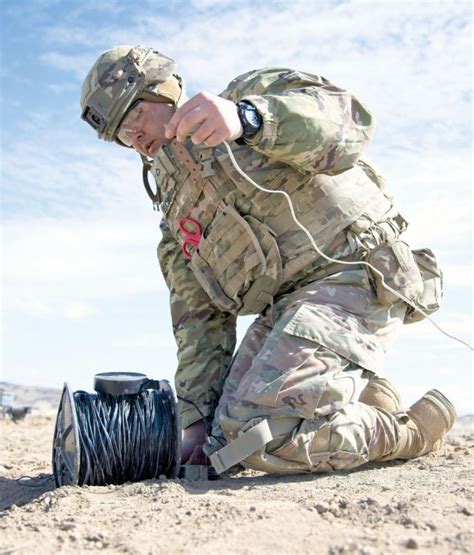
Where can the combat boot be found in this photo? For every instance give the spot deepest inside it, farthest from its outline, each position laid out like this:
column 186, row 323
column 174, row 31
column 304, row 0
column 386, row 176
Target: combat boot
column 423, row 427
column 380, row 393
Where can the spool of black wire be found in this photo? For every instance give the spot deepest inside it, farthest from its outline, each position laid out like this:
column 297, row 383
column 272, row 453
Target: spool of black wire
column 129, row 430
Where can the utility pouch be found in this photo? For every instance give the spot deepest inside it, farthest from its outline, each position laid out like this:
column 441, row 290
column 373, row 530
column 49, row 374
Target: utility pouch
column 430, row 299
column 396, row 262
column 238, row 263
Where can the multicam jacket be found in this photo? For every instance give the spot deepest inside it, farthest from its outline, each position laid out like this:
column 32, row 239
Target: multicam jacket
column 249, row 250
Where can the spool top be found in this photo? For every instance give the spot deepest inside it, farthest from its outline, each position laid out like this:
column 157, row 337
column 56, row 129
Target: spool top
column 120, row 383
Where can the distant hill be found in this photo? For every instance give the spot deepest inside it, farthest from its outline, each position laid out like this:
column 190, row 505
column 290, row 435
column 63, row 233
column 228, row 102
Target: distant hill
column 36, row 397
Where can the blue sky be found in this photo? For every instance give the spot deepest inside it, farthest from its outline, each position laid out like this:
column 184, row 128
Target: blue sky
column 81, row 289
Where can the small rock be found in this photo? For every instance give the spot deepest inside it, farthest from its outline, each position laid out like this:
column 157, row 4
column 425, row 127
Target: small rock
column 351, row 548
column 67, row 526
column 411, row 544
column 407, row 521
column 252, row 509
column 94, row 538
column 321, row 508
column 466, row 511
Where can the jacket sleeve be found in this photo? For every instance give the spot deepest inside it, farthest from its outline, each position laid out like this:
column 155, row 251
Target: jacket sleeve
column 308, row 122
column 205, row 336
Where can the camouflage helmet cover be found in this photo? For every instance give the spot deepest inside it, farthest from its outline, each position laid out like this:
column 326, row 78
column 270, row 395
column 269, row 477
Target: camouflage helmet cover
column 121, row 76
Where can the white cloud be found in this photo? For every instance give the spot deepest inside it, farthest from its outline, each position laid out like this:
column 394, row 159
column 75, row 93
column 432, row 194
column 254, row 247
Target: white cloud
column 158, row 340
column 459, row 275
column 78, row 310
column 54, row 261
column 79, row 64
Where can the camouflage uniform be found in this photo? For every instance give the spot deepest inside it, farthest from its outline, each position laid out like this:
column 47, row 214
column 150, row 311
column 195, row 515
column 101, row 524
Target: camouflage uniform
column 321, row 331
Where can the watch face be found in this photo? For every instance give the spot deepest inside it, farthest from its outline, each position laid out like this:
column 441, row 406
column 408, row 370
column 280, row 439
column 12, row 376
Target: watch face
column 252, row 117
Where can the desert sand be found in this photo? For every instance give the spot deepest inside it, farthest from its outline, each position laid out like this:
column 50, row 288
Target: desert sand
column 423, row 505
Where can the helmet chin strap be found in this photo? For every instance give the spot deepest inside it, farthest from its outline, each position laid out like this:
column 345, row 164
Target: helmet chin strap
column 154, row 195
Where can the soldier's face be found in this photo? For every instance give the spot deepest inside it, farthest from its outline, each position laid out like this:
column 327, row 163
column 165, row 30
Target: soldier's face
column 143, row 127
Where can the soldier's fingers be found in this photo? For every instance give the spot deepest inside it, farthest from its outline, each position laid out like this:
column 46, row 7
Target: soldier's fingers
column 189, row 121
column 205, row 130
column 216, row 138
column 191, row 104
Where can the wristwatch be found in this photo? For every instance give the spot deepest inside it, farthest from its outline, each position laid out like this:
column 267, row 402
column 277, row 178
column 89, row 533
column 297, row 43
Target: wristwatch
column 250, row 119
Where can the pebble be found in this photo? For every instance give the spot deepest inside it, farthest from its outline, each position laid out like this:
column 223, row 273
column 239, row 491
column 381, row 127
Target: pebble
column 67, row 526
column 411, row 544
column 321, row 508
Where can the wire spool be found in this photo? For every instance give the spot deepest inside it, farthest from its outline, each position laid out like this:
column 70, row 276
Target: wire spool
column 129, row 430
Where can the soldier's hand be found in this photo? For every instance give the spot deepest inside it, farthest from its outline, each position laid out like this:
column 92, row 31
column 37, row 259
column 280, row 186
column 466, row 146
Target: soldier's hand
column 208, row 118
column 194, row 437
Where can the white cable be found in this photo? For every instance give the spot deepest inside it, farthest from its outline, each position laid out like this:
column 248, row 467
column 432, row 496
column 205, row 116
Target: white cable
column 316, row 248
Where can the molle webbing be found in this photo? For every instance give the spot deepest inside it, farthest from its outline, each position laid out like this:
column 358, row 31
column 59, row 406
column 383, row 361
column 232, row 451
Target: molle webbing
column 250, row 243
column 193, row 191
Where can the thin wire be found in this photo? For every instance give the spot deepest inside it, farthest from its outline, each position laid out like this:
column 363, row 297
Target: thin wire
column 316, row 248
column 41, row 481
column 208, row 425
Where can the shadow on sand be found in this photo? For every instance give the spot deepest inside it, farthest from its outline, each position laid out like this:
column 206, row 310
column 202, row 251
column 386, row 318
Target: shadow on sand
column 239, row 481
column 21, row 491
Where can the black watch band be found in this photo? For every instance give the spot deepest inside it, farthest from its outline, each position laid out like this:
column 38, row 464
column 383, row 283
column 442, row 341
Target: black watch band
column 250, row 119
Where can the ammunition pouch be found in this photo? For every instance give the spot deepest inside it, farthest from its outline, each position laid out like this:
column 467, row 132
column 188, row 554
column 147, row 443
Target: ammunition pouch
column 238, row 262
column 430, row 299
column 413, row 274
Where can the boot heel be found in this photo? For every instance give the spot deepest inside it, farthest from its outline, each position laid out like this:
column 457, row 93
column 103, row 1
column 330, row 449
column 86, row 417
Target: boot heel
column 434, row 415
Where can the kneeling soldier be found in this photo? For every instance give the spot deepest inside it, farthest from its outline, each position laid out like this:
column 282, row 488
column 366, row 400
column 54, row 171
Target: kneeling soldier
column 304, row 391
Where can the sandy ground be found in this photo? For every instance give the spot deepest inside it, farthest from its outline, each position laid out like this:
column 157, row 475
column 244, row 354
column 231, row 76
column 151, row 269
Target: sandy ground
column 424, row 505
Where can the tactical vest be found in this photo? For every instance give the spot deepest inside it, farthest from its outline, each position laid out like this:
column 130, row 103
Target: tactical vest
column 250, row 247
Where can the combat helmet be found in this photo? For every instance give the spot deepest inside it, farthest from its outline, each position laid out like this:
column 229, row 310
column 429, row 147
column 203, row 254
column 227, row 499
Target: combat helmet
column 119, row 78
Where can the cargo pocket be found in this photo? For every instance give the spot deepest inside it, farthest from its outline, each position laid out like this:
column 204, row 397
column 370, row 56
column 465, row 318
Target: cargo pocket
column 339, row 331
column 238, row 262
column 305, row 367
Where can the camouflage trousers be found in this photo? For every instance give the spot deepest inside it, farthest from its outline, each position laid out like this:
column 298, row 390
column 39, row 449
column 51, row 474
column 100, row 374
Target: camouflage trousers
column 309, row 358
